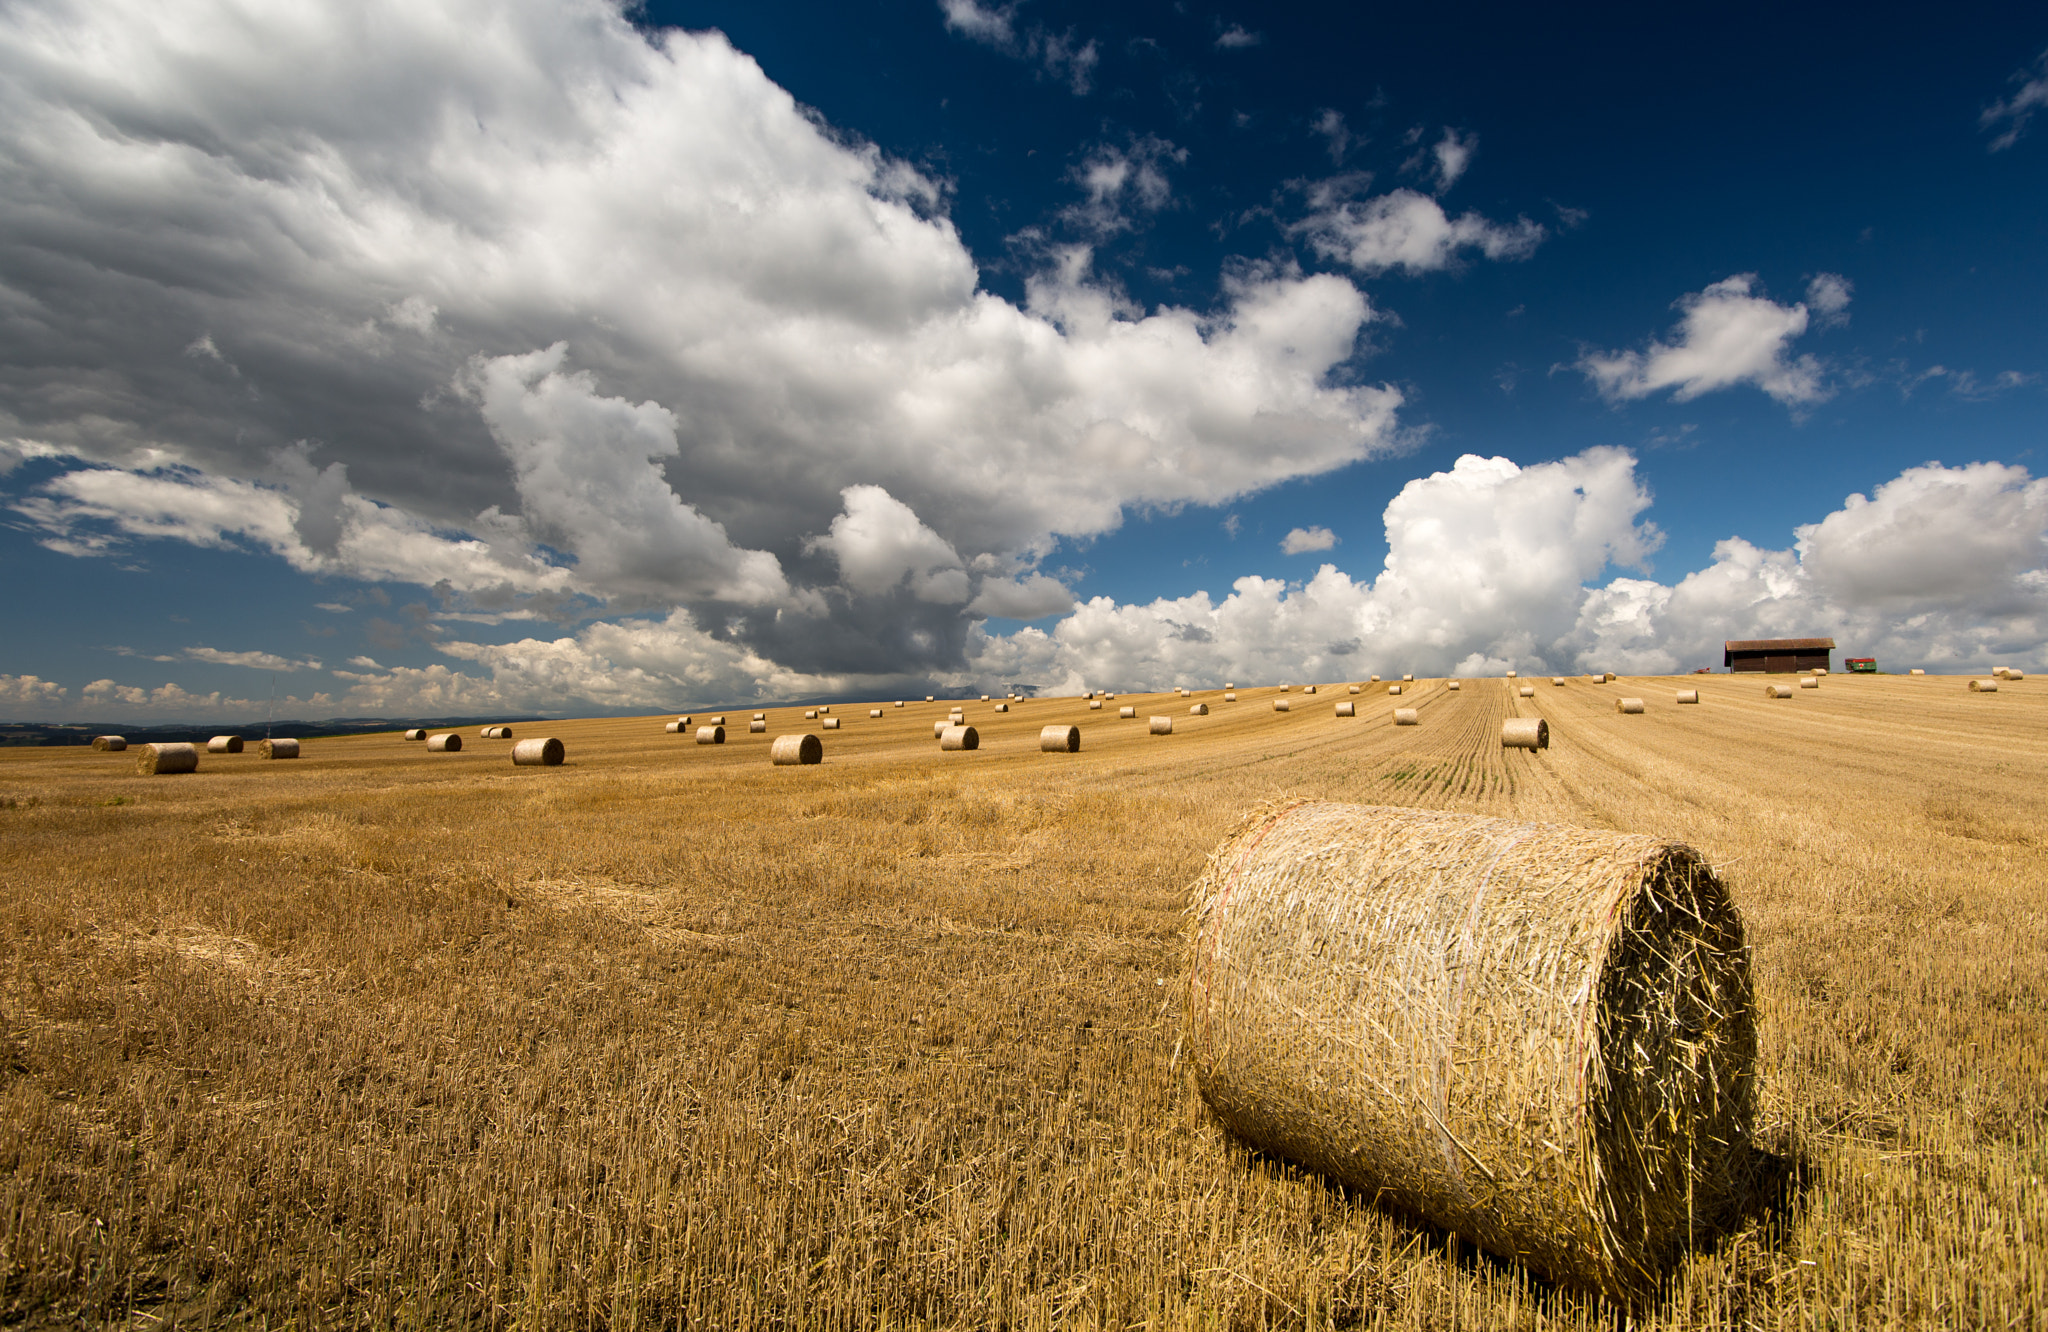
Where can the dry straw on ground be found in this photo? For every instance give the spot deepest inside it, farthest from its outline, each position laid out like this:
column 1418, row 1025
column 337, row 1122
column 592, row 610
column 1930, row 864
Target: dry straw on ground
column 710, row 735
column 1162, row 726
column 224, row 744
column 1540, row 1037
column 1983, row 686
column 959, row 737
column 448, row 742
column 1060, row 740
column 167, row 758
column 1525, row 733
column 109, row 743
column 791, row 750
column 277, row 749
column 539, row 752
column 1630, row 705
column 1407, row 717
column 1688, row 695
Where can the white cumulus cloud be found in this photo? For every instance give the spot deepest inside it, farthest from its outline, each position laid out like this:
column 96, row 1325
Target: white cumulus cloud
column 1303, row 539
column 1409, row 230
column 1725, row 337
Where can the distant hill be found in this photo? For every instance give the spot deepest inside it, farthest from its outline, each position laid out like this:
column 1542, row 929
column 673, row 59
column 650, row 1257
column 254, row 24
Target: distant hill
column 81, row 733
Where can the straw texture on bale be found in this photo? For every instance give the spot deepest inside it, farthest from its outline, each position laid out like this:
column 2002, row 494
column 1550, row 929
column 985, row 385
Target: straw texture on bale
column 874, row 712
column 152, row 760
column 1347, row 709
column 1059, row 740
column 1280, row 705
column 1095, row 705
column 1407, row 717
column 831, row 723
column 1808, row 682
column 757, row 727
column 2015, row 675
column 1393, row 691
column 538, row 752
column 1540, row 1037
column 959, row 737
column 416, row 733
column 1127, row 712
column 110, row 744
column 446, row 743
column 939, row 728
column 231, row 744
column 1777, row 691
column 683, row 722
column 1628, row 705
column 1162, row 726
column 1230, row 698
column 1453, row 684
column 1527, row 691
column 1199, row 710
column 676, row 728
column 790, row 750
column 1983, row 686
column 1688, row 695
column 1998, row 672
column 1525, row 733
column 277, row 749
column 710, row 735
column 1916, row 671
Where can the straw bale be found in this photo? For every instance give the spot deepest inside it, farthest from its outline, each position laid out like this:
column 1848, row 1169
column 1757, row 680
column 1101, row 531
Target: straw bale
column 277, row 749
column 1998, row 672
column 1525, row 733
column 790, row 750
column 676, row 728
column 810, row 714
column 899, row 702
column 874, row 712
column 1407, row 717
column 1688, row 695
column 1309, row 689
column 1808, row 682
column 446, row 743
column 538, row 752
column 984, row 698
column 1280, row 705
column 959, row 737
column 1230, row 698
column 1162, row 726
column 231, row 744
column 1352, row 690
column 714, row 721
column 831, row 723
column 1393, row 691
column 1059, row 740
column 929, row 698
column 1126, row 712
column 2015, row 675
column 1983, row 686
column 757, row 727
column 1820, row 670
column 1628, row 705
column 1777, row 691
column 1002, row 707
column 1285, row 688
column 1199, row 710
column 1526, row 691
column 154, row 760
column 1451, row 684
column 824, row 708
column 683, row 722
column 1109, row 695
column 710, row 735
column 1916, row 671
column 1511, row 675
column 1347, row 709
column 110, row 744
column 1557, row 680
column 939, row 728
column 416, row 733
column 1608, row 678
column 1229, row 685
column 760, row 716
column 1375, row 680
column 1408, row 679
column 1540, row 1037
column 1095, row 705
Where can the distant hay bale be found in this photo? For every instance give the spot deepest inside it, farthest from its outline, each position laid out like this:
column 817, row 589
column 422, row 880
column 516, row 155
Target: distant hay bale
column 1095, row 705
column 1525, row 733
column 1126, row 712
column 676, row 728
column 1375, row 680
column 790, row 750
column 1820, row 670
column 1059, row 740
column 1407, row 717
column 160, row 760
column 2015, row 675
column 873, row 713
column 939, row 728
column 110, row 744
column 1557, row 680
column 899, row 702
column 446, row 743
column 277, row 749
column 1983, row 686
column 1109, row 695
column 1542, row 1038
column 929, row 698
column 1285, row 688
column 1347, row 709
column 1777, row 691
column 1002, row 707
column 1352, row 690
column 1309, row 689
column 1393, row 691
column 1451, row 685
column 1808, row 682
column 1608, row 678
column 1688, row 695
column 831, row 723
column 810, row 714
column 1511, row 675
column 710, row 735
column 1999, row 672
column 1162, row 726
column 959, row 737
column 1280, row 705
column 984, row 698
column 1408, row 679
column 1229, row 684
column 1230, row 698
column 1526, row 691
column 231, row 744
column 538, row 752
column 760, row 716
column 683, row 722
column 416, row 733
column 1916, row 671
column 824, row 708
column 497, row 733
column 714, row 721
column 1199, row 710
column 1630, row 705
column 757, row 727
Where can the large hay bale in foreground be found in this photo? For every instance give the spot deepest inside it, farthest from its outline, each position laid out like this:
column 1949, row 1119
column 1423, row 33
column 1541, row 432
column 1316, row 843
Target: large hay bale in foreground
column 539, row 752
column 710, row 735
column 277, row 749
column 1688, row 695
column 1540, row 1037
column 959, row 737
column 449, row 743
column 1407, row 717
column 224, row 744
column 110, row 744
column 1629, row 705
column 1059, row 740
column 154, row 760
column 1525, row 733
column 1162, row 726
column 1983, row 686
column 790, row 750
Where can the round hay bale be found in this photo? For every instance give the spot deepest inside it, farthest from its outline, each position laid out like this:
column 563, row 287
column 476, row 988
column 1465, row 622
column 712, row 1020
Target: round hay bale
column 110, row 744
column 1347, row 709
column 538, row 752
column 714, row 721
column 1229, row 684
column 939, row 728
column 1820, row 670
column 899, row 702
column 1916, row 671
column 1608, row 678
column 1162, row 726
column 2015, row 675
column 1126, row 712
column 831, row 723
column 158, row 760
column 1095, row 705
column 1352, row 690
column 1059, row 740
column 683, row 722
column 1983, row 686
column 676, row 728
column 1408, row 679
column 791, row 750
column 929, row 698
column 1230, row 698
column 1407, row 717
column 1107, row 695
column 277, row 749
column 1557, row 680
column 1777, row 691
column 1808, row 682
column 1451, row 685
column 416, row 733
column 1526, row 691
column 1540, row 1037
column 1375, row 680
column 1525, row 733
column 873, row 713
column 760, row 716
column 1002, row 707
column 1393, row 691
column 984, row 698
column 1629, row 705
column 1998, row 672
column 1511, row 675
column 1688, row 695
column 1285, row 688
column 1199, row 710
column 504, row 733
column 810, row 714
column 757, row 727
column 1280, row 705
column 232, row 744
column 824, row 708
column 1309, row 690
column 959, row 737
column 447, row 743
column 710, row 735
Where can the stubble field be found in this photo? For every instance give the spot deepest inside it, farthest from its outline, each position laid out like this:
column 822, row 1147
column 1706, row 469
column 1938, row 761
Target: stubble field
column 668, row 1036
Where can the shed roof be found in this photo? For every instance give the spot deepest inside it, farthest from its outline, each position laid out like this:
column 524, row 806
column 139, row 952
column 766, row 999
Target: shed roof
column 1777, row 644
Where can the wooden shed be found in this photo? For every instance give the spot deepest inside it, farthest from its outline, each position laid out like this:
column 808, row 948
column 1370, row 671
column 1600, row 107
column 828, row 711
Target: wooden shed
column 1777, row 655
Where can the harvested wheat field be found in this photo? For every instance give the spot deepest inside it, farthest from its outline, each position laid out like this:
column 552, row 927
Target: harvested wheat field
column 675, row 1036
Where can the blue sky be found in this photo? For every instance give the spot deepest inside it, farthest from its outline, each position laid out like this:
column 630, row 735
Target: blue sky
column 457, row 357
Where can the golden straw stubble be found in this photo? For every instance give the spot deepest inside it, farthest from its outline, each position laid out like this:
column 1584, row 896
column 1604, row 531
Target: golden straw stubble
column 1538, row 1036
